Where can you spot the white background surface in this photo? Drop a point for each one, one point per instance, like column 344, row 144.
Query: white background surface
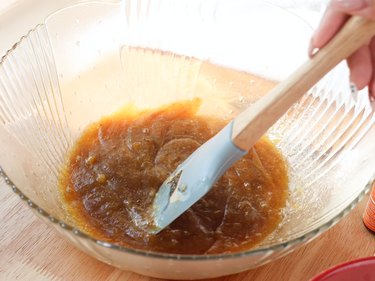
column 17, row 17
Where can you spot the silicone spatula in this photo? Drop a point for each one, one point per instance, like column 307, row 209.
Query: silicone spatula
column 197, row 174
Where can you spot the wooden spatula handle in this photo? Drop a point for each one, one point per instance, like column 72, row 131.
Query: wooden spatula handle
column 252, row 123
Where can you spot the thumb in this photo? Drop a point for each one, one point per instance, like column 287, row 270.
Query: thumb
column 362, row 8
column 350, row 6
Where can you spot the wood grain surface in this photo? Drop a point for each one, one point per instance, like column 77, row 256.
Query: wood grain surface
column 31, row 250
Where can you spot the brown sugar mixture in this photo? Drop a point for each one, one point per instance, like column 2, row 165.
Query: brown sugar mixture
column 118, row 164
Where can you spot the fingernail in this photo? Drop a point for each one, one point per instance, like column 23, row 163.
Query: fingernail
column 312, row 50
column 349, row 5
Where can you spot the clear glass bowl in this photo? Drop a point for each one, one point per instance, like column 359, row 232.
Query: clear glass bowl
column 82, row 64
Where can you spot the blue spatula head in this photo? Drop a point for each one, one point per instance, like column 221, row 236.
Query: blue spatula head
column 194, row 178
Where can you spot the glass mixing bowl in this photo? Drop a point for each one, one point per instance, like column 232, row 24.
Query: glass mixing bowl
column 88, row 60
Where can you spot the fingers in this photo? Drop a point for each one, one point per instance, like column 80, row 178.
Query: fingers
column 331, row 22
column 361, row 67
column 335, row 16
column 362, row 62
column 363, row 8
column 349, row 6
column 372, row 82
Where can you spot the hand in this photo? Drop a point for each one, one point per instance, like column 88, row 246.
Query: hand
column 362, row 62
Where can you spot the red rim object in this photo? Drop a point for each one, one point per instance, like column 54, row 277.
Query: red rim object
column 358, row 270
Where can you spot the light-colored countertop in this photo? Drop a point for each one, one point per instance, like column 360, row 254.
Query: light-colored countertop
column 31, row 250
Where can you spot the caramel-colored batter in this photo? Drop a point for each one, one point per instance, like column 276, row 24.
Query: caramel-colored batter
column 118, row 164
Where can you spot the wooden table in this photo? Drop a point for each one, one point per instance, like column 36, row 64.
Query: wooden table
column 31, row 250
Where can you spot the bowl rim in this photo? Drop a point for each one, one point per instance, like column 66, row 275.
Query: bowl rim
column 41, row 213
column 284, row 245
